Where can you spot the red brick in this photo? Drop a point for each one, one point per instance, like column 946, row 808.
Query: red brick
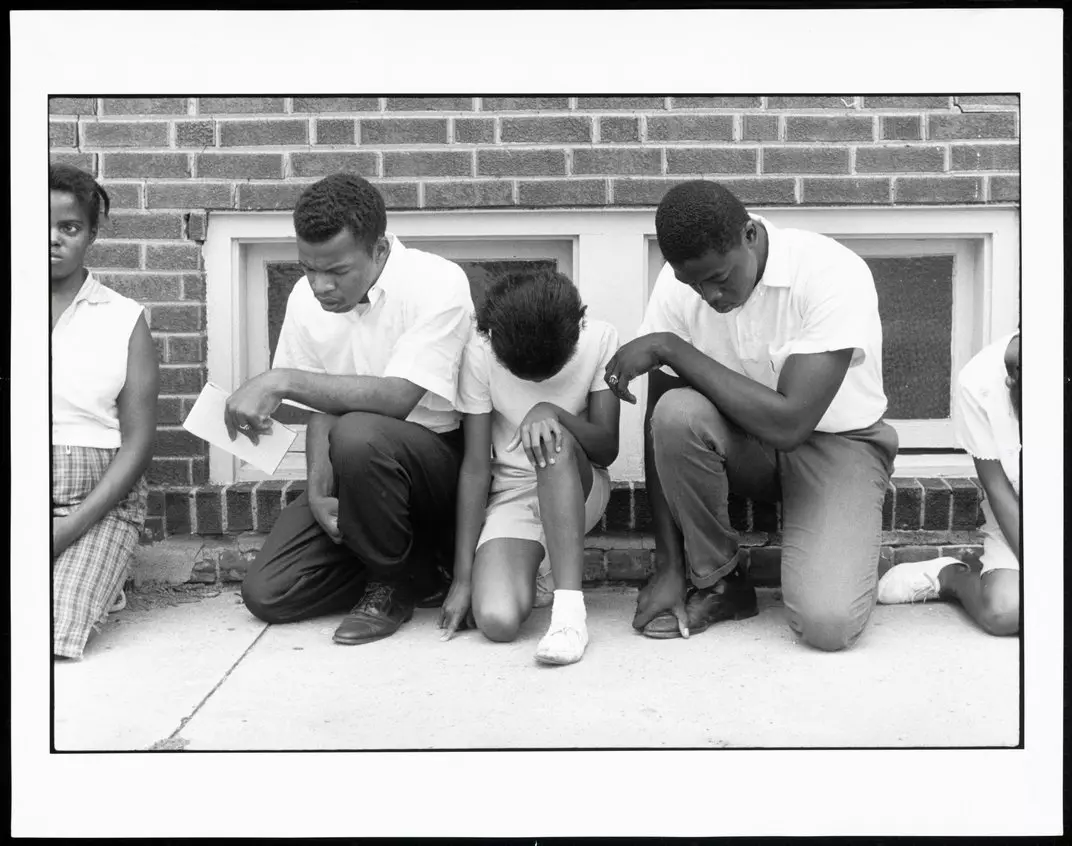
column 620, row 103
column 124, row 134
column 186, row 349
column 169, row 411
column 523, row 104
column 403, row 131
column 908, row 507
column 619, row 129
column 848, row 191
column 177, row 442
column 294, row 490
column 900, row 127
column 887, row 507
column 62, row 133
column 1004, row 189
column 195, row 133
column 642, row 516
column 263, row 133
column 145, row 165
column 628, row 564
column 253, row 195
column 169, row 471
column 595, row 568
column 937, row 502
column 759, row 128
column 617, row 160
column 966, row 506
column 939, row 189
column 72, row 105
column 208, row 511
column 105, row 254
column 648, row 192
column 906, row 103
column 238, row 500
column 801, row 128
column 452, row 163
column 336, row 104
column 269, row 502
column 177, row 510
column 764, row 565
column 715, row 160
column 562, row 192
column 199, row 470
column 173, row 257
column 550, row 130
column 398, row 195
column 618, row 515
column 441, row 195
column 187, row 317
column 429, row 104
column 193, row 286
column 902, row 554
column 155, row 503
column 146, row 225
column 240, row 165
column 971, row 126
column 181, row 379
column 195, row 224
column 474, row 131
column 521, row 162
column 690, row 128
column 906, row 158
column 846, row 102
column 145, row 106
column 123, row 195
column 145, row 287
column 189, row 195
column 323, row 164
column 984, row 157
column 968, row 553
column 805, row 160
column 83, row 161
column 160, row 342
column 714, row 103
column 988, row 100
column 336, row 131
column 238, row 105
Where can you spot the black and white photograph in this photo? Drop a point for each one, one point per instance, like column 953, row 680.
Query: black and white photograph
column 421, row 402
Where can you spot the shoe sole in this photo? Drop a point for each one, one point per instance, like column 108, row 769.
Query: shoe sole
column 372, row 638
column 553, row 663
column 742, row 614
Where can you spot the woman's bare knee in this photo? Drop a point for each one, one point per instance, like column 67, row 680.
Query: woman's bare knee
column 498, row 623
column 1000, row 612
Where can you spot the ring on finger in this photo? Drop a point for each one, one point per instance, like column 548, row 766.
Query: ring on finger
column 612, row 380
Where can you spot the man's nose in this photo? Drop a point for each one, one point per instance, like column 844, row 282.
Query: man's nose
column 53, row 236
column 321, row 283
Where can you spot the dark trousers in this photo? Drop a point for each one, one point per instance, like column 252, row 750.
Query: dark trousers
column 396, row 483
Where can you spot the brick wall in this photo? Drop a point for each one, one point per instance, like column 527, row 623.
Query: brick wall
column 168, row 163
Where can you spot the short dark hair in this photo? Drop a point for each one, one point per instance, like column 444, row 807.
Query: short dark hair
column 337, row 202
column 697, row 216
column 87, row 193
column 534, row 319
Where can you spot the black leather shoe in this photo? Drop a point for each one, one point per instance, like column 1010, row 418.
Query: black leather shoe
column 728, row 599
column 379, row 614
column 435, row 591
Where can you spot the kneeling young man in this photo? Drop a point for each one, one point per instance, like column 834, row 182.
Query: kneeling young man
column 775, row 347
column 372, row 340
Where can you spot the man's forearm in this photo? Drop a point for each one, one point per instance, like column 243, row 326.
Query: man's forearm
column 332, row 394
column 320, row 477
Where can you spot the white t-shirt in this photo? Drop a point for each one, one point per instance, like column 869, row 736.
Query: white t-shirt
column 986, row 424
column 89, row 365
column 415, row 326
column 816, row 295
column 486, row 386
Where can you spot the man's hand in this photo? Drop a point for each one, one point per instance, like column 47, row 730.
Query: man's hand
column 326, row 511
column 538, row 433
column 633, row 359
column 455, row 608
column 664, row 593
column 62, row 535
column 249, row 409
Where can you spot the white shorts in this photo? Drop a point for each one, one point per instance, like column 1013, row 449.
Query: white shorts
column 997, row 554
column 515, row 512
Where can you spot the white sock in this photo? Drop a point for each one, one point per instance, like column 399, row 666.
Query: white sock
column 568, row 609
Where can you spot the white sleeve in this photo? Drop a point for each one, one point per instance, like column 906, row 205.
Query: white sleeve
column 293, row 350
column 973, row 428
column 840, row 311
column 608, row 346
column 474, row 380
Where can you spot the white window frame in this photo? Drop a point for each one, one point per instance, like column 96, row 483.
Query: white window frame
column 611, row 264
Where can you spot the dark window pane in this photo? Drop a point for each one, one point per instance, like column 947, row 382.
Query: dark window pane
column 915, row 300
column 483, row 273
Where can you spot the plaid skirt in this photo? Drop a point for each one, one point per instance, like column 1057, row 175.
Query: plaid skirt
column 87, row 576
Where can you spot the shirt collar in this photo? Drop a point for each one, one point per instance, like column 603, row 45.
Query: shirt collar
column 390, row 271
column 775, row 272
column 91, row 291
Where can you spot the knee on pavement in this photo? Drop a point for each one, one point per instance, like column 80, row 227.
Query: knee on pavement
column 1000, row 613
column 830, row 630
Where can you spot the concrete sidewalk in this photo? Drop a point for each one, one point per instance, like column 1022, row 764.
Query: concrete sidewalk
column 207, row 675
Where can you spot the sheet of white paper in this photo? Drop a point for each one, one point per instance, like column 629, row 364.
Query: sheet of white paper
column 205, row 420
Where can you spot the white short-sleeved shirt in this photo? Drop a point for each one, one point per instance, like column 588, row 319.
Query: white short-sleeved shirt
column 486, row 386
column 816, row 295
column 414, row 326
column 89, row 365
column 986, row 425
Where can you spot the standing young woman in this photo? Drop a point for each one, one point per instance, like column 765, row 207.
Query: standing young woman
column 104, row 392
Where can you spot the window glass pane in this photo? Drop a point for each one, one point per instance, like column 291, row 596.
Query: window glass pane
column 915, row 301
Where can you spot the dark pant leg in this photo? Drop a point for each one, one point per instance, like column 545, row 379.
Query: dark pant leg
column 397, row 487
column 300, row 572
column 833, row 487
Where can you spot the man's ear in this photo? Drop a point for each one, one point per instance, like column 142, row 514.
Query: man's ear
column 381, row 248
column 750, row 234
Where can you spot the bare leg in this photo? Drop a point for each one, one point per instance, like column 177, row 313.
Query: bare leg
column 562, row 488
column 504, row 579
column 991, row 599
